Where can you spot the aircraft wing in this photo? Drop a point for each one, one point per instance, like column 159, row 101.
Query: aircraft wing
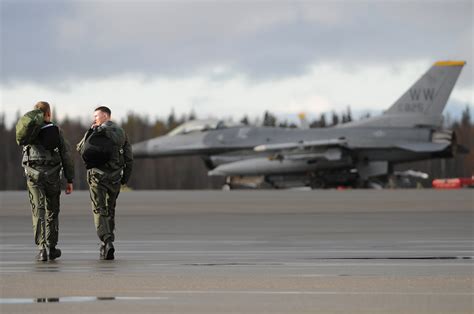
column 300, row 145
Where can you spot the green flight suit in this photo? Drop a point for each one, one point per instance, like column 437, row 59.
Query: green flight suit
column 105, row 180
column 43, row 178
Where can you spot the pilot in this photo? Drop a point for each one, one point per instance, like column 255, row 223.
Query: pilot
column 108, row 157
column 44, row 154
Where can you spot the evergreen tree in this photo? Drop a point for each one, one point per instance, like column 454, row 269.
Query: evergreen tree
column 269, row 119
column 466, row 116
column 322, row 121
column 335, row 118
column 159, row 128
column 190, row 172
column 283, row 124
column 171, row 122
column 245, row 120
column 192, row 115
column 348, row 114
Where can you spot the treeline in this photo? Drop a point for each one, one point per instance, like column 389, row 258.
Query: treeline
column 190, row 172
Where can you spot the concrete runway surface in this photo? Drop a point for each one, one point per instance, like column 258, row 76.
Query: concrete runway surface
column 281, row 251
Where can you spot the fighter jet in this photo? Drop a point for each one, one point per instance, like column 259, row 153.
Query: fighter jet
column 353, row 153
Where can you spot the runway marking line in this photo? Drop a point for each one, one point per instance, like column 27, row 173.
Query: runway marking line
column 73, row 299
column 266, row 292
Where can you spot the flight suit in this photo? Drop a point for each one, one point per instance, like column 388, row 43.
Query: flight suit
column 105, row 180
column 43, row 177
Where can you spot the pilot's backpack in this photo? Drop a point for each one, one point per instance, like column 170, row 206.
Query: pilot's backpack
column 98, row 149
column 29, row 126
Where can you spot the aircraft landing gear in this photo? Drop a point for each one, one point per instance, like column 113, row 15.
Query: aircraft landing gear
column 317, row 183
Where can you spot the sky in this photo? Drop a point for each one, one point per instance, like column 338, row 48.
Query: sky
column 227, row 59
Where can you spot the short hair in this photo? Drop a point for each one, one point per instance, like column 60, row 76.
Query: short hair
column 43, row 106
column 104, row 109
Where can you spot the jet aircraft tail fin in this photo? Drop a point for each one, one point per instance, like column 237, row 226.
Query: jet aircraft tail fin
column 423, row 103
column 430, row 93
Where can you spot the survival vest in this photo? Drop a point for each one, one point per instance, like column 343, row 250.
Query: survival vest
column 98, row 148
column 37, row 154
column 45, row 148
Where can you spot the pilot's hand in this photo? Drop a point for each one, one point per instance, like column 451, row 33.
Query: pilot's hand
column 95, row 125
column 69, row 188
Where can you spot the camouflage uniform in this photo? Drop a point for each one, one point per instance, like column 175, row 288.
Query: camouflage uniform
column 43, row 174
column 104, row 181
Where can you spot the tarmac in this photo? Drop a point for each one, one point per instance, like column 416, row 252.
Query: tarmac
column 280, row 251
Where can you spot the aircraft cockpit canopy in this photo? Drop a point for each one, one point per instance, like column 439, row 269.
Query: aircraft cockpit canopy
column 200, row 126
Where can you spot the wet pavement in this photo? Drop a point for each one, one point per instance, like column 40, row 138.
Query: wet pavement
column 248, row 251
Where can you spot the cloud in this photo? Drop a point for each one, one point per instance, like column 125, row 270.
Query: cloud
column 323, row 89
column 226, row 58
column 50, row 41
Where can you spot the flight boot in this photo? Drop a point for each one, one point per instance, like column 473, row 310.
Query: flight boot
column 102, row 251
column 107, row 250
column 54, row 253
column 42, row 255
